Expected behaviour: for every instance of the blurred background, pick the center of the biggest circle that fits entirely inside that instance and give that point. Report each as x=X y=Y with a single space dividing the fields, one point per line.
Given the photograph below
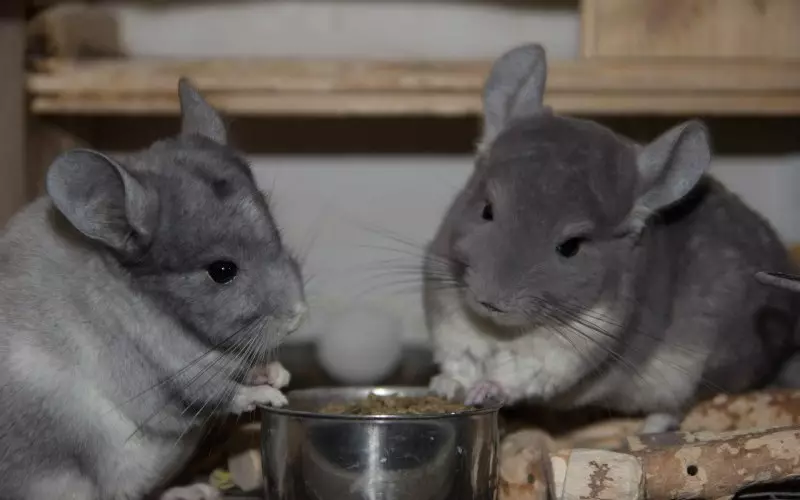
x=360 y=118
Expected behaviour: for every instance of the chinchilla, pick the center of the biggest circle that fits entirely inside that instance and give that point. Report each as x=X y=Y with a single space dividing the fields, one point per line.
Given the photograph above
x=134 y=299
x=578 y=268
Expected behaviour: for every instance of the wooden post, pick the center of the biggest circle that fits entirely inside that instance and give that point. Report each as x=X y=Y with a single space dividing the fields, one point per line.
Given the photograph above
x=13 y=188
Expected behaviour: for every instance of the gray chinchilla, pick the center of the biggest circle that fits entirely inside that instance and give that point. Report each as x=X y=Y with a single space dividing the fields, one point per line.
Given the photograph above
x=134 y=299
x=578 y=268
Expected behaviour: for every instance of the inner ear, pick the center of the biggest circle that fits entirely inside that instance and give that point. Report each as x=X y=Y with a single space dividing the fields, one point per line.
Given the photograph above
x=670 y=167
x=199 y=117
x=102 y=200
x=514 y=88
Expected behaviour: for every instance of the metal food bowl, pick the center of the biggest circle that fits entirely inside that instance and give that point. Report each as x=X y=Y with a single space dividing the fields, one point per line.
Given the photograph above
x=313 y=456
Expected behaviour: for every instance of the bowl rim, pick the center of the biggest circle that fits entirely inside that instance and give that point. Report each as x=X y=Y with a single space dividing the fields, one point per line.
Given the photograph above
x=493 y=406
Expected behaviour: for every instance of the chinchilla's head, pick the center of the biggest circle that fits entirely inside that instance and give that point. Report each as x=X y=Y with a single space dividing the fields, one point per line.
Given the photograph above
x=189 y=227
x=547 y=224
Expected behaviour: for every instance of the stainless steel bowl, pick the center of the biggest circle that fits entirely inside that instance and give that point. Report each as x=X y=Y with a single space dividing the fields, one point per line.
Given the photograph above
x=313 y=456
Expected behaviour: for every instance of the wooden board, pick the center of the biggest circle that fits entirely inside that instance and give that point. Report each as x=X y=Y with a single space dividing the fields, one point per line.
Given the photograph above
x=13 y=190
x=691 y=28
x=265 y=87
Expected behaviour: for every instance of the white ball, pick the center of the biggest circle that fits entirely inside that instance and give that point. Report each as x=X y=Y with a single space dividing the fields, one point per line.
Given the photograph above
x=361 y=345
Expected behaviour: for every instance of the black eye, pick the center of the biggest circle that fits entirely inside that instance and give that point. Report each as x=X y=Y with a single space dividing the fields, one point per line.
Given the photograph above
x=570 y=247
x=222 y=271
x=488 y=212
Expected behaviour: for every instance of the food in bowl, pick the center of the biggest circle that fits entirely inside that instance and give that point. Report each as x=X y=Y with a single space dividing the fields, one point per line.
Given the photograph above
x=395 y=405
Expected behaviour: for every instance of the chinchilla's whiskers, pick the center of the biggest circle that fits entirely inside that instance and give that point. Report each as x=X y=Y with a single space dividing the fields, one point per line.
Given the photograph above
x=214 y=398
x=307 y=278
x=411 y=277
x=260 y=353
x=407 y=285
x=569 y=323
x=188 y=366
x=581 y=313
x=232 y=348
x=579 y=316
x=249 y=362
x=581 y=352
x=225 y=393
x=238 y=344
x=396 y=238
x=226 y=390
x=619 y=357
x=415 y=253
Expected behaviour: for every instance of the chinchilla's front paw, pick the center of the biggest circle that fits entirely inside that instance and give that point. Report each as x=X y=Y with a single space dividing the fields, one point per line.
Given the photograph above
x=484 y=391
x=273 y=374
x=447 y=387
x=197 y=491
x=248 y=396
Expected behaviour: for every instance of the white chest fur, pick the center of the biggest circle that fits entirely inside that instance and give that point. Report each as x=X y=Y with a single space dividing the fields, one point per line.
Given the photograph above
x=537 y=364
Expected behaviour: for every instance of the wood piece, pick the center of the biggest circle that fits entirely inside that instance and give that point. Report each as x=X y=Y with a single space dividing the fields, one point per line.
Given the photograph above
x=610 y=434
x=153 y=76
x=655 y=467
x=691 y=28
x=522 y=470
x=596 y=475
x=421 y=104
x=714 y=465
x=13 y=189
x=75 y=30
x=245 y=469
x=244 y=456
x=270 y=87
x=755 y=410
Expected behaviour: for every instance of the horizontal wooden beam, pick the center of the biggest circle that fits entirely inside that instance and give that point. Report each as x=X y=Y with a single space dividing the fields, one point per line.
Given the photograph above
x=277 y=87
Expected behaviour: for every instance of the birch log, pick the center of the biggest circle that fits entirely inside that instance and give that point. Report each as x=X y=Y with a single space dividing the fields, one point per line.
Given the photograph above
x=654 y=467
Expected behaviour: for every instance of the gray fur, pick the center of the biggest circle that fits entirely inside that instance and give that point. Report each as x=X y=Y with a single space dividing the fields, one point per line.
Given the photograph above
x=659 y=306
x=108 y=316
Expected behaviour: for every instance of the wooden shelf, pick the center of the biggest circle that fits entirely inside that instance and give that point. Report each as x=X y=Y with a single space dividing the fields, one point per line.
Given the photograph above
x=276 y=87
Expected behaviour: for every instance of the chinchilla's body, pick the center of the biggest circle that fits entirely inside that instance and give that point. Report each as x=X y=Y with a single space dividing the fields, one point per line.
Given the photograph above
x=133 y=299
x=578 y=268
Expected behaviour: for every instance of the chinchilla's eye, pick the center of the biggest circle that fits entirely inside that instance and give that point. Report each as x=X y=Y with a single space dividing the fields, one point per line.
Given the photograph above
x=570 y=247
x=488 y=211
x=222 y=271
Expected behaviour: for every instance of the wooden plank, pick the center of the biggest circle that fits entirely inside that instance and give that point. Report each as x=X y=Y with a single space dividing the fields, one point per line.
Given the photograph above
x=429 y=104
x=691 y=28
x=13 y=192
x=274 y=87
x=119 y=76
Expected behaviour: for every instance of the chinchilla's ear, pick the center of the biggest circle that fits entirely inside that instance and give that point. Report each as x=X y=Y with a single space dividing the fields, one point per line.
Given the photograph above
x=102 y=200
x=669 y=168
x=197 y=116
x=514 y=88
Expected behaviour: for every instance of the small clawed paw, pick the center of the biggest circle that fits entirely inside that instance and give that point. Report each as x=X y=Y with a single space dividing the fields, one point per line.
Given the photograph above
x=484 y=391
x=273 y=374
x=247 y=397
x=446 y=387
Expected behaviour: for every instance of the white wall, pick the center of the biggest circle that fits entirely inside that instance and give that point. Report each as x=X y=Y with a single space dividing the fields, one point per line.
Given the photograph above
x=336 y=199
x=349 y=212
